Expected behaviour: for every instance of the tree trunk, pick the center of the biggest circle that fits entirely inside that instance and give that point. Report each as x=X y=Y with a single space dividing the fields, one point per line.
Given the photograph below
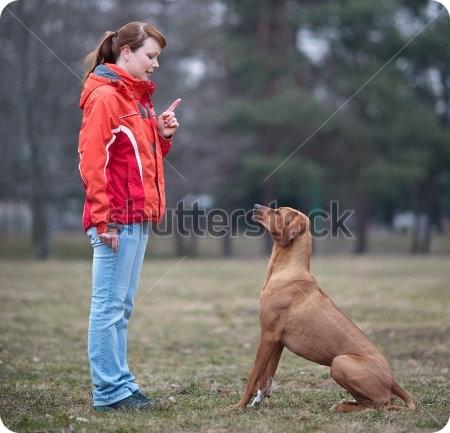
x=180 y=249
x=173 y=229
x=227 y=247
x=193 y=245
x=227 y=250
x=362 y=224
x=41 y=233
x=425 y=246
x=421 y=235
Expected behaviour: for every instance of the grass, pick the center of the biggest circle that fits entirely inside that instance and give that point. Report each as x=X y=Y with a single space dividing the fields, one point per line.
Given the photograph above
x=193 y=337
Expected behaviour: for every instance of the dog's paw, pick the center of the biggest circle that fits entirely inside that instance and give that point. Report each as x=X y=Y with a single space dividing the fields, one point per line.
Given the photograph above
x=258 y=399
x=235 y=407
x=337 y=406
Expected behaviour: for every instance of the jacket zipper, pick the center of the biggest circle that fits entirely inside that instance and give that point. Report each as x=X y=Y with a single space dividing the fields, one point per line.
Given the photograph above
x=155 y=135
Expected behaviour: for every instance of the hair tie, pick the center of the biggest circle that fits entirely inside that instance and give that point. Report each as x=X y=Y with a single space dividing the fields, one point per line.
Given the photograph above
x=115 y=34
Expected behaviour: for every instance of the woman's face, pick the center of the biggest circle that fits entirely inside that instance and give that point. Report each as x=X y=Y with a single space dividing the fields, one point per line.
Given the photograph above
x=144 y=60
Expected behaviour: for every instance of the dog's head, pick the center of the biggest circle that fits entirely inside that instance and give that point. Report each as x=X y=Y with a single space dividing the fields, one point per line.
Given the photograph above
x=284 y=224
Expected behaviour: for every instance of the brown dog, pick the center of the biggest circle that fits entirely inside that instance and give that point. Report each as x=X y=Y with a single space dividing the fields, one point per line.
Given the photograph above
x=296 y=313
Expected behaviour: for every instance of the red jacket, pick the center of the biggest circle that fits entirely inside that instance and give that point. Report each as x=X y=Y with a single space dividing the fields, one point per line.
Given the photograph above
x=121 y=153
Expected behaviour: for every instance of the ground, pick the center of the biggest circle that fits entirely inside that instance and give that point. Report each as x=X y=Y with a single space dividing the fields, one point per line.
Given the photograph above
x=192 y=340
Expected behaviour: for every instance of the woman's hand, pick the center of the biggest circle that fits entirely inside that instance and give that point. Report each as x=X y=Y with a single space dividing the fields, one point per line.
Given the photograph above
x=167 y=122
x=110 y=238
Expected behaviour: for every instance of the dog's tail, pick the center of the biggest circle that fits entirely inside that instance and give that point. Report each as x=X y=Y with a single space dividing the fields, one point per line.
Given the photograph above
x=404 y=395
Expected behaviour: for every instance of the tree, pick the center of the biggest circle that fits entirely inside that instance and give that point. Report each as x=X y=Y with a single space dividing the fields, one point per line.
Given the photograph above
x=39 y=88
x=388 y=137
x=269 y=106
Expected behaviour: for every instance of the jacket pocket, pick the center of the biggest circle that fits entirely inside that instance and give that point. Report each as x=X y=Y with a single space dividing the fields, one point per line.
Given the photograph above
x=136 y=193
x=135 y=113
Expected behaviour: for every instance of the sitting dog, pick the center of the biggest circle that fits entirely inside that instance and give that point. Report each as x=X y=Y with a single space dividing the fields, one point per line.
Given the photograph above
x=295 y=313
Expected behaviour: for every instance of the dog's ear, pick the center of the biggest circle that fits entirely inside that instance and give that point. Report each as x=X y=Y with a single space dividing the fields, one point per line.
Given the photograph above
x=293 y=229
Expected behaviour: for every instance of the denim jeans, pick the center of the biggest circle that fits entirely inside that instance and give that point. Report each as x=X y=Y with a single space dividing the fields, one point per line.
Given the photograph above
x=115 y=278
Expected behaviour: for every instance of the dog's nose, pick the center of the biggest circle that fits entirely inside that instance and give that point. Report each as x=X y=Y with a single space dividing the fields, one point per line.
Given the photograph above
x=257 y=206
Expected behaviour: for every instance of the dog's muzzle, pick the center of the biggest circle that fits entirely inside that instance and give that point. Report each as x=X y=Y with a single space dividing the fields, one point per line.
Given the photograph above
x=257 y=211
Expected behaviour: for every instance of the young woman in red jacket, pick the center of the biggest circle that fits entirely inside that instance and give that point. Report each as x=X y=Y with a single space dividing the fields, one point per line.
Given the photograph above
x=121 y=149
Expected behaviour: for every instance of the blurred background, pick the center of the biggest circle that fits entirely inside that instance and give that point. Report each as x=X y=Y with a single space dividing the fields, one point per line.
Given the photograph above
x=298 y=102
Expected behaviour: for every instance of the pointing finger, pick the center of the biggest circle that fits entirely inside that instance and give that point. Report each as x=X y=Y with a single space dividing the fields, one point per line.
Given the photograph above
x=174 y=104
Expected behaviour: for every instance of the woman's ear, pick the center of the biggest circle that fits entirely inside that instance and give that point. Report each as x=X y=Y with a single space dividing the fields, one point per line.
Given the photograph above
x=293 y=229
x=125 y=51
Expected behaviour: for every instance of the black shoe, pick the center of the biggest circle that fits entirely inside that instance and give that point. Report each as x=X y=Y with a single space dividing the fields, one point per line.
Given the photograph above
x=131 y=402
x=144 y=399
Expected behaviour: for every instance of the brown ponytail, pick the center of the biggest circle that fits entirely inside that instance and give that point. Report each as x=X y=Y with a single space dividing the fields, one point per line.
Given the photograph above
x=132 y=34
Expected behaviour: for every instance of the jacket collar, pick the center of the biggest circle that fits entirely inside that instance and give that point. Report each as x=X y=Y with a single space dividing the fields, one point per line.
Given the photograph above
x=117 y=75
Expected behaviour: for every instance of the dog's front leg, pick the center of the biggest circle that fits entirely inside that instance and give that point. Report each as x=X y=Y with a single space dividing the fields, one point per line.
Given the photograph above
x=265 y=383
x=266 y=347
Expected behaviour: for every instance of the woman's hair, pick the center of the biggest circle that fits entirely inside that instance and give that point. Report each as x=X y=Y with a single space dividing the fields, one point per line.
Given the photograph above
x=132 y=34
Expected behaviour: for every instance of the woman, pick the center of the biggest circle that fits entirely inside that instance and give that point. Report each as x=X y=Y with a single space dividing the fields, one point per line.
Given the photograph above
x=121 y=148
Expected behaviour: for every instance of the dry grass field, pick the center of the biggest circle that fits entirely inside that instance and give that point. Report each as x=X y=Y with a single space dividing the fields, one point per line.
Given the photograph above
x=192 y=341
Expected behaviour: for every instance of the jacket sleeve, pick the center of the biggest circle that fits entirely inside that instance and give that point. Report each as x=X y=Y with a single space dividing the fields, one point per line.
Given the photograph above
x=99 y=121
x=166 y=144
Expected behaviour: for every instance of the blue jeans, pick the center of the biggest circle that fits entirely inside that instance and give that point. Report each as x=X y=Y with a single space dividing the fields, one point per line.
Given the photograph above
x=115 y=278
